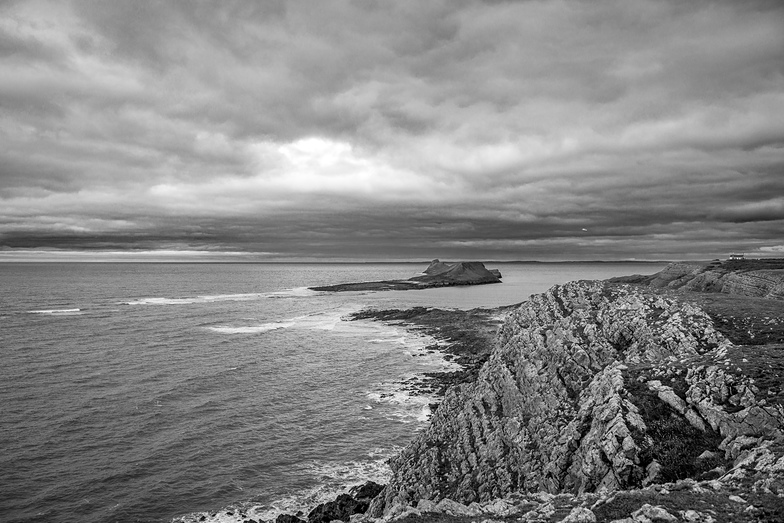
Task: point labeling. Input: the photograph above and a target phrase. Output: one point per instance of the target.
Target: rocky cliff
(760, 278)
(595, 386)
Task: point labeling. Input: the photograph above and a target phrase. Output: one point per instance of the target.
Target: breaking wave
(62, 312)
(298, 292)
(194, 299)
(333, 479)
(252, 329)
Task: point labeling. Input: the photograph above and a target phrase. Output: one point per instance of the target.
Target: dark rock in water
(288, 518)
(342, 508)
(366, 492)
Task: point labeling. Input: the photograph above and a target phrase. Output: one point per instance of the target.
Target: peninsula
(639, 399)
(437, 274)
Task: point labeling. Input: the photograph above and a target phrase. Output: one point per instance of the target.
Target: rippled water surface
(160, 392)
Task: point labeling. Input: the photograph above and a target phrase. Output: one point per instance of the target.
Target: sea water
(187, 392)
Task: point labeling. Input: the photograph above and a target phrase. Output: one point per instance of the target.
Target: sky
(391, 130)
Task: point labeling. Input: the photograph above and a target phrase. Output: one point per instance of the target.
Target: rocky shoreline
(602, 401)
(464, 337)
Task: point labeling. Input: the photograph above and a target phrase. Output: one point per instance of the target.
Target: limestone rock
(288, 518)
(580, 515)
(652, 514)
(566, 404)
(425, 505)
(548, 411)
(454, 508)
(500, 507)
(759, 278)
(400, 511)
(692, 516)
(542, 512)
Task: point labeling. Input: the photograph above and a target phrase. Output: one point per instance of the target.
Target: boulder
(342, 508)
(580, 515)
(366, 492)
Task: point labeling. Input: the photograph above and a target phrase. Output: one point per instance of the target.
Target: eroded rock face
(550, 410)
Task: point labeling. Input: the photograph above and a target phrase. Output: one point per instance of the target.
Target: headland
(638, 399)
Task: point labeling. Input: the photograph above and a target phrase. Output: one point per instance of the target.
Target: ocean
(156, 392)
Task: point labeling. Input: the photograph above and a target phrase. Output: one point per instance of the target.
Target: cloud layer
(347, 129)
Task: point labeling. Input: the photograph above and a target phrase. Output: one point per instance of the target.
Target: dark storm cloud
(532, 129)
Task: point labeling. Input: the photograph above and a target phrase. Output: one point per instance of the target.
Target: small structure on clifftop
(737, 257)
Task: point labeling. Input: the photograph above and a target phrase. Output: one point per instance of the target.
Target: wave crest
(63, 312)
(251, 329)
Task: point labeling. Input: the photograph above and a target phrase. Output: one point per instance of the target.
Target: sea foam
(298, 292)
(187, 300)
(322, 320)
(252, 329)
(333, 478)
(63, 312)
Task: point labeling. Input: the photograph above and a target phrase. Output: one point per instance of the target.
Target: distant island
(437, 274)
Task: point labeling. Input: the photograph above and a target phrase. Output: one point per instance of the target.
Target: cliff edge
(595, 387)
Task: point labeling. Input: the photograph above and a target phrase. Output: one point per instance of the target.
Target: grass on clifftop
(675, 444)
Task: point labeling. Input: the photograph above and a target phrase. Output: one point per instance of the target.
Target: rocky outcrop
(342, 508)
(590, 387)
(758, 278)
(457, 273)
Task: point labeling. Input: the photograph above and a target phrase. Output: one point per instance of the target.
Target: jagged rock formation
(345, 505)
(591, 387)
(437, 274)
(761, 278)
